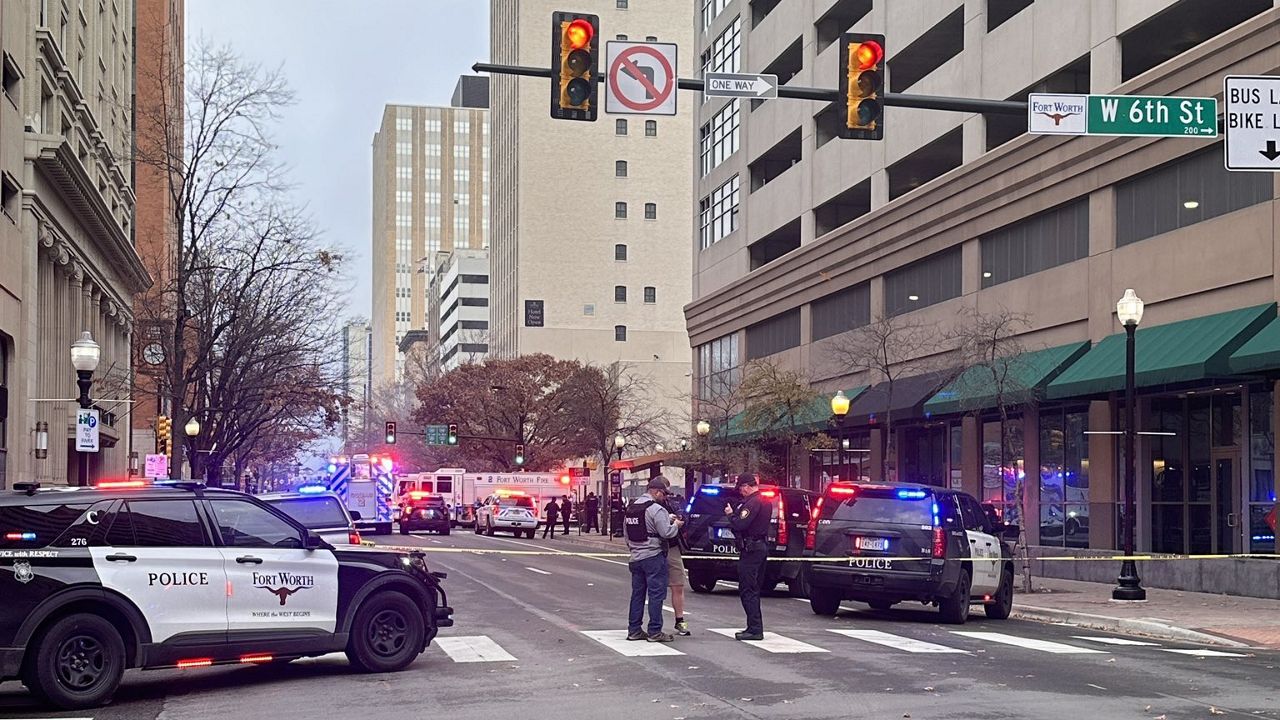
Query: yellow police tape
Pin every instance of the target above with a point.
(844, 559)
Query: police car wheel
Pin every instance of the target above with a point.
(387, 634)
(444, 531)
(880, 604)
(701, 583)
(77, 662)
(955, 609)
(1001, 605)
(824, 601)
(488, 528)
(404, 530)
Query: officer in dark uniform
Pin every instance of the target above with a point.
(750, 524)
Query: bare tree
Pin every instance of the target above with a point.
(778, 402)
(614, 400)
(887, 349)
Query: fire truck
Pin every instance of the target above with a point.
(462, 490)
(365, 483)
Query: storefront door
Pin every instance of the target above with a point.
(1226, 516)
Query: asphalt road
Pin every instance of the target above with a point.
(521, 649)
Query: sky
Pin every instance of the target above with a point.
(344, 61)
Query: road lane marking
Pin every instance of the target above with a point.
(473, 648)
(898, 642)
(1029, 643)
(616, 640)
(540, 572)
(1116, 641)
(774, 643)
(1202, 653)
(1096, 686)
(552, 551)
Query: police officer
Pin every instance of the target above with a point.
(750, 524)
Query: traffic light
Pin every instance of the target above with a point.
(862, 85)
(163, 428)
(452, 439)
(391, 432)
(519, 454)
(575, 46)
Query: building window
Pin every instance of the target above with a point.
(621, 37)
(620, 168)
(711, 9)
(718, 368)
(651, 211)
(1261, 480)
(841, 311)
(1002, 466)
(620, 210)
(620, 293)
(651, 128)
(620, 333)
(1184, 192)
(923, 283)
(772, 336)
(650, 295)
(10, 76)
(1064, 478)
(718, 138)
(589, 309)
(10, 193)
(1051, 238)
(619, 127)
(651, 38)
(622, 4)
(722, 55)
(620, 252)
(718, 214)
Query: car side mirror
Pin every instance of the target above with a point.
(313, 541)
(355, 515)
(1010, 532)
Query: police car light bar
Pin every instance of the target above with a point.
(118, 484)
(24, 536)
(313, 489)
(912, 494)
(709, 490)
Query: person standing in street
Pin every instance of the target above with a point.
(553, 516)
(750, 523)
(675, 566)
(648, 528)
(566, 510)
(591, 513)
(616, 508)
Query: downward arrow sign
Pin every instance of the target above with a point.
(1271, 153)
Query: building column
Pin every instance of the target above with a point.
(971, 456)
(1103, 487)
(1031, 474)
(879, 188)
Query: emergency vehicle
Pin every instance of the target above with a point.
(467, 489)
(365, 483)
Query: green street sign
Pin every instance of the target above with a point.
(1152, 116)
(437, 434)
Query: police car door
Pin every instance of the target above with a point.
(984, 547)
(274, 582)
(159, 555)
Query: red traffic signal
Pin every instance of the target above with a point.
(575, 47)
(861, 85)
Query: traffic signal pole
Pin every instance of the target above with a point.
(922, 102)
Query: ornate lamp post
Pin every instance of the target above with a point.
(840, 408)
(85, 355)
(1129, 585)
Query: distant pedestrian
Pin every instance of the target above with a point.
(590, 513)
(675, 565)
(750, 522)
(648, 528)
(566, 509)
(616, 508)
(553, 516)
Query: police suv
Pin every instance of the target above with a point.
(131, 574)
(896, 542)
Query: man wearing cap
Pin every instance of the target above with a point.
(750, 523)
(648, 526)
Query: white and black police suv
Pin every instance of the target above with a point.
(131, 574)
(898, 542)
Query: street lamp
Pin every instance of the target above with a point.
(85, 355)
(704, 428)
(840, 408)
(192, 428)
(1129, 585)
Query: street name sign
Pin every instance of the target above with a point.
(1252, 122)
(740, 85)
(437, 434)
(1122, 115)
(87, 430)
(641, 78)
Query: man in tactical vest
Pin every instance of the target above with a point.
(648, 527)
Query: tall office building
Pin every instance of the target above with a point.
(459, 308)
(356, 381)
(590, 223)
(430, 194)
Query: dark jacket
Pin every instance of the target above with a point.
(592, 505)
(552, 510)
(566, 508)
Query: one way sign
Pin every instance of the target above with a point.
(740, 85)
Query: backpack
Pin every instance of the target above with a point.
(633, 521)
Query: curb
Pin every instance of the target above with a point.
(1147, 628)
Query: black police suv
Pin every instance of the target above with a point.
(897, 542)
(133, 575)
(707, 532)
(425, 512)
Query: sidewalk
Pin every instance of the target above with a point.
(1167, 614)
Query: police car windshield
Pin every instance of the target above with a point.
(515, 502)
(313, 513)
(880, 506)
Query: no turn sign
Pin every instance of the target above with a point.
(641, 79)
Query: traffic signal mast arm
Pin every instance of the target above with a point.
(923, 102)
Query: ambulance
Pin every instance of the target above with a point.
(365, 483)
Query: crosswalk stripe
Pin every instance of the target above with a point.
(617, 641)
(1029, 643)
(540, 572)
(1202, 653)
(774, 642)
(898, 642)
(473, 648)
(1116, 641)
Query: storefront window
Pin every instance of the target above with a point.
(848, 464)
(1002, 466)
(1262, 453)
(1064, 478)
(924, 454)
(957, 455)
(1194, 472)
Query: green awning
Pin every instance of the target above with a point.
(1260, 353)
(815, 418)
(1171, 353)
(1021, 378)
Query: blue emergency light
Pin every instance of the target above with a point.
(312, 489)
(912, 494)
(710, 490)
